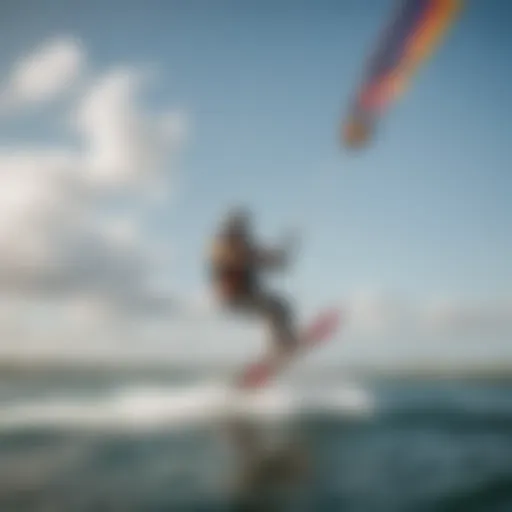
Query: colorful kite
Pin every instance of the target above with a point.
(416, 29)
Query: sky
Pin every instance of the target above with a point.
(127, 129)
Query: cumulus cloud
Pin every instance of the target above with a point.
(37, 197)
(123, 142)
(60, 237)
(44, 73)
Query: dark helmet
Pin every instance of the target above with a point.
(237, 221)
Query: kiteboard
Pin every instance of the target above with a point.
(262, 371)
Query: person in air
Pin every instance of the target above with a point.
(237, 265)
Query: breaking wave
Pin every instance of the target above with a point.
(151, 407)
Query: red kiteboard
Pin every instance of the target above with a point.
(259, 373)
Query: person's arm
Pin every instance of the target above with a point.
(276, 257)
(271, 257)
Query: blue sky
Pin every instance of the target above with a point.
(424, 211)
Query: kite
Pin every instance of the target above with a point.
(415, 30)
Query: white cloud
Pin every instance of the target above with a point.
(124, 143)
(201, 303)
(59, 236)
(123, 231)
(37, 198)
(85, 310)
(45, 73)
(464, 317)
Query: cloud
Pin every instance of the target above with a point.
(463, 317)
(381, 315)
(37, 198)
(63, 235)
(45, 73)
(123, 142)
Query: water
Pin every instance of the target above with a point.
(94, 442)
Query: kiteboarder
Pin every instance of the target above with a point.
(237, 263)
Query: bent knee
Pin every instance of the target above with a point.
(279, 312)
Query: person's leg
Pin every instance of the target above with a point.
(278, 314)
(275, 311)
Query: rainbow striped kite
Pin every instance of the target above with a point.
(415, 31)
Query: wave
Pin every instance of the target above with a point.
(148, 407)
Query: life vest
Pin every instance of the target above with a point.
(231, 269)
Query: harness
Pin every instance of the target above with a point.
(231, 270)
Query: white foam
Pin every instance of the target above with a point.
(140, 408)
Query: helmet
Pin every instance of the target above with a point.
(237, 221)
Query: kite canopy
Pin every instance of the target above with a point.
(415, 30)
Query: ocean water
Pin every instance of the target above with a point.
(106, 442)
